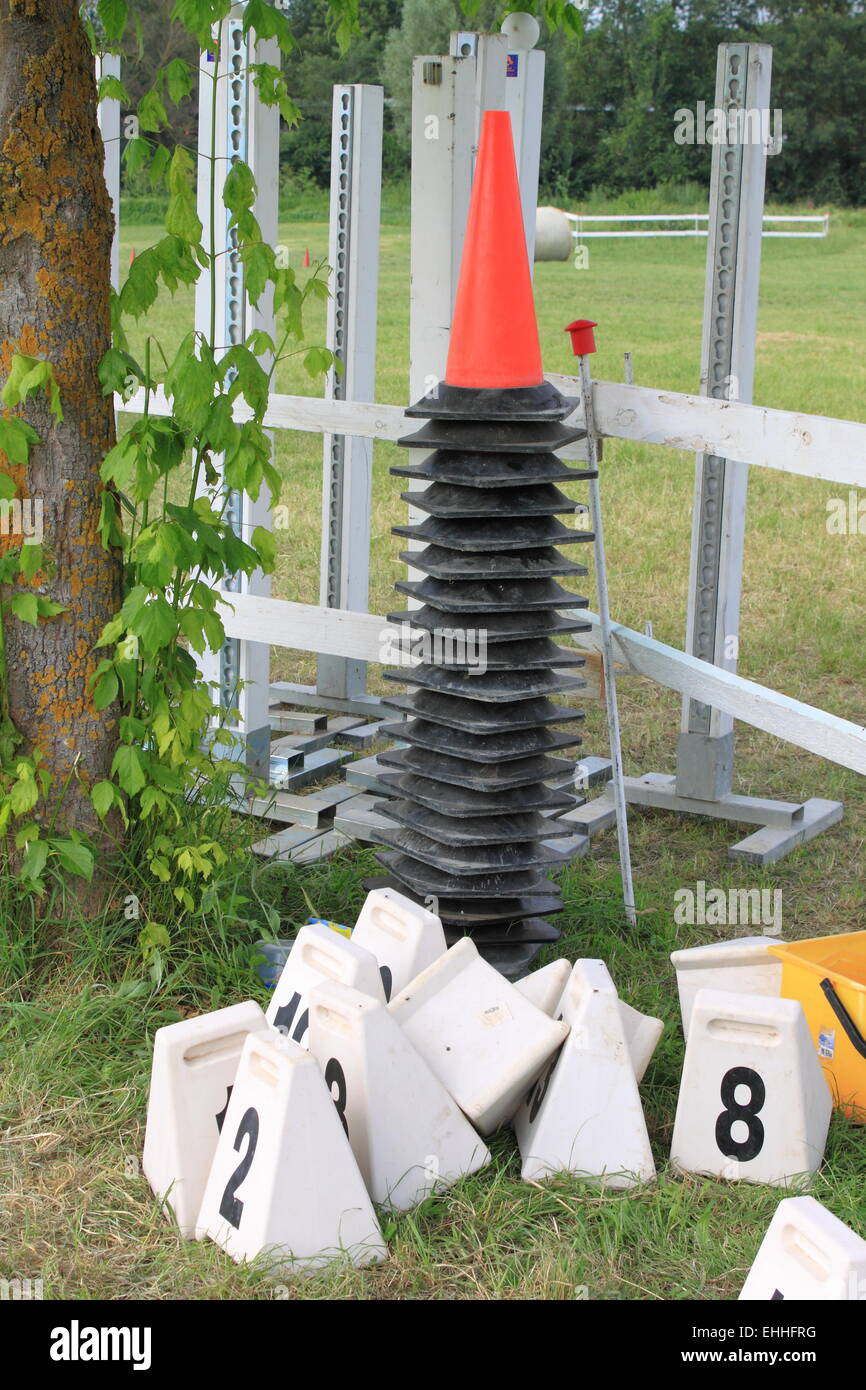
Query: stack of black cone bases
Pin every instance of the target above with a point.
(470, 806)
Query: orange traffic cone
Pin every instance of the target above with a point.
(494, 335)
(306, 260)
(132, 255)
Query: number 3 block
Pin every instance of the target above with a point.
(753, 1100)
(408, 1135)
(284, 1178)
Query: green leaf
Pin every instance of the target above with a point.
(8, 488)
(16, 437)
(26, 607)
(26, 376)
(178, 79)
(33, 863)
(110, 88)
(182, 220)
(75, 857)
(259, 267)
(106, 690)
(128, 770)
(239, 189)
(152, 114)
(197, 16)
(317, 360)
(266, 544)
(102, 796)
(113, 16)
(268, 23)
(31, 560)
(48, 608)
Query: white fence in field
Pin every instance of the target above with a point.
(579, 222)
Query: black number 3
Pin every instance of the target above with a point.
(231, 1207)
(751, 1146)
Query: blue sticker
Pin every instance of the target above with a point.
(827, 1043)
(511, 63)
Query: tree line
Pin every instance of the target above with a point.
(612, 94)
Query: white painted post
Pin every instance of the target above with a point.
(524, 93)
(108, 116)
(353, 255)
(245, 129)
(705, 755)
(449, 97)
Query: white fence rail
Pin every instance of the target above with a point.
(579, 222)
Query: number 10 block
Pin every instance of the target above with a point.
(753, 1103)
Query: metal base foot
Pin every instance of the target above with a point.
(783, 825)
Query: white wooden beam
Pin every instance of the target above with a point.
(368, 637)
(814, 446)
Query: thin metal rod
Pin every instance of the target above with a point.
(607, 648)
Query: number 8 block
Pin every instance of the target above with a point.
(753, 1101)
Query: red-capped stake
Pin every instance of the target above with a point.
(582, 338)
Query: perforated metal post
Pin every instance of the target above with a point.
(245, 130)
(356, 183)
(706, 747)
(108, 116)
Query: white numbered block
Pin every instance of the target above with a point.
(807, 1254)
(584, 1115)
(753, 1102)
(319, 954)
(407, 1134)
(642, 1033)
(284, 1179)
(194, 1066)
(544, 987)
(477, 1033)
(742, 966)
(404, 937)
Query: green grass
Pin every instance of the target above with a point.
(77, 1014)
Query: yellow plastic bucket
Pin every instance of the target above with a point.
(828, 976)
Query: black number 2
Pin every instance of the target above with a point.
(231, 1207)
(751, 1146)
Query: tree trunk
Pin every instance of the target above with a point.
(56, 227)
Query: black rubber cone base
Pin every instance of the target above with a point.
(444, 500)
(540, 402)
(460, 772)
(543, 562)
(457, 713)
(489, 470)
(452, 800)
(500, 627)
(477, 830)
(491, 598)
(481, 437)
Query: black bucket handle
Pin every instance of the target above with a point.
(852, 1032)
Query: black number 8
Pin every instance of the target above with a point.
(751, 1146)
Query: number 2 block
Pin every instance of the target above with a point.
(284, 1178)
(753, 1101)
(194, 1066)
